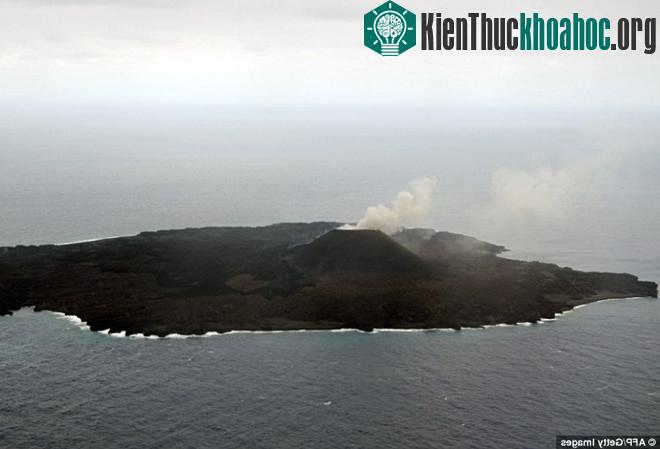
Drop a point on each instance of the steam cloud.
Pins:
(547, 194)
(409, 208)
(544, 195)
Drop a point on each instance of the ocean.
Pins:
(592, 371)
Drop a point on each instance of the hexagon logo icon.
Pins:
(389, 29)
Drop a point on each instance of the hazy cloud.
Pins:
(293, 52)
(547, 194)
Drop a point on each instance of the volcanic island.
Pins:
(294, 276)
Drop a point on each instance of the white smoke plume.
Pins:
(548, 194)
(409, 208)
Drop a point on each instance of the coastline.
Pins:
(76, 242)
(82, 325)
(294, 277)
(598, 297)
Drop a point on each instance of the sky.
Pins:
(295, 53)
(130, 115)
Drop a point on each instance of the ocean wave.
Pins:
(78, 322)
(73, 319)
(93, 240)
(140, 335)
(495, 326)
(176, 336)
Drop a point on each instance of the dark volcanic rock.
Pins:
(358, 251)
(291, 276)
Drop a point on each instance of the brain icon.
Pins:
(390, 25)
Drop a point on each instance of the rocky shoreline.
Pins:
(122, 334)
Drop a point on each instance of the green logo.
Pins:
(389, 29)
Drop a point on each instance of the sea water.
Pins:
(594, 370)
